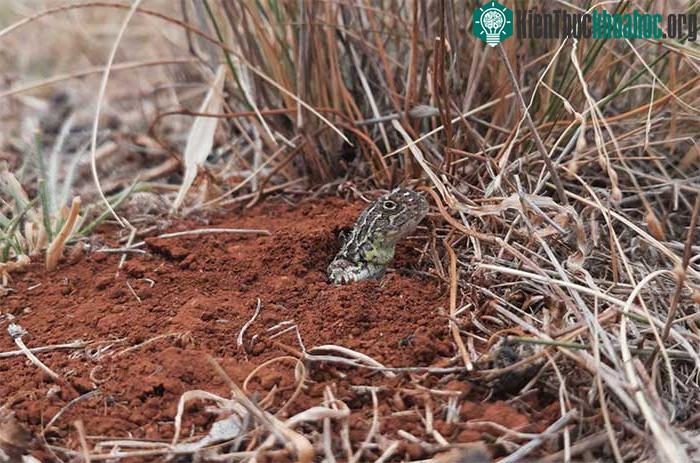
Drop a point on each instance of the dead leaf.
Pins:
(201, 137)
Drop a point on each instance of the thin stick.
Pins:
(39, 350)
(59, 414)
(98, 109)
(389, 452)
(520, 454)
(129, 242)
(372, 429)
(675, 354)
(203, 231)
(16, 332)
(453, 309)
(680, 276)
(593, 442)
(239, 339)
(146, 342)
(80, 427)
(538, 141)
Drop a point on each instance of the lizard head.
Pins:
(400, 211)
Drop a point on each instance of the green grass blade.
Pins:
(101, 218)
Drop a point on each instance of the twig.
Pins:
(204, 231)
(122, 250)
(59, 414)
(453, 308)
(129, 242)
(538, 141)
(667, 442)
(80, 427)
(373, 427)
(593, 442)
(389, 452)
(98, 108)
(39, 350)
(675, 354)
(523, 451)
(389, 371)
(128, 285)
(146, 342)
(16, 332)
(369, 361)
(239, 339)
(680, 275)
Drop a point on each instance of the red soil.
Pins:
(204, 288)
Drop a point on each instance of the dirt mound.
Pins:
(152, 327)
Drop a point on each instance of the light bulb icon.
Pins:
(493, 21)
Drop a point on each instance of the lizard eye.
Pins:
(389, 205)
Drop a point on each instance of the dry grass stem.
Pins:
(55, 250)
(16, 332)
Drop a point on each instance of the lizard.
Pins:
(369, 248)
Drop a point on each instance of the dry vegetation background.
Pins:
(592, 244)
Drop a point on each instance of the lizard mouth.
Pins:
(406, 229)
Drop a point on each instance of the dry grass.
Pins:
(568, 214)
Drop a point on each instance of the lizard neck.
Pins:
(381, 252)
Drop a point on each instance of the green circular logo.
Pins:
(492, 23)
